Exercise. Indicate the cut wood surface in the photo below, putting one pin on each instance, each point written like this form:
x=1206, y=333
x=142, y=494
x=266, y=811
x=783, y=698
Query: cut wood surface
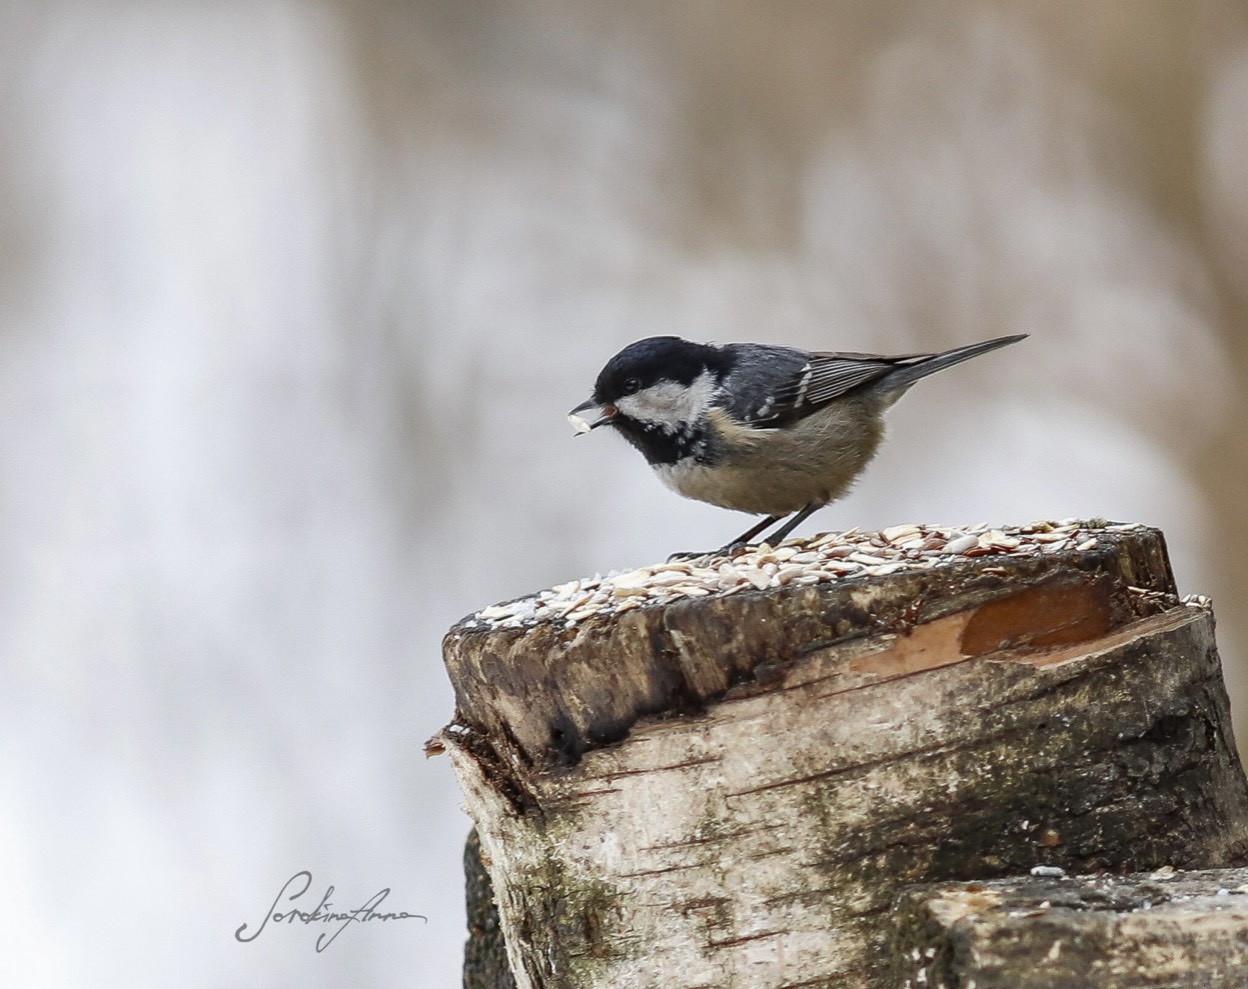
x=1164, y=930
x=729, y=789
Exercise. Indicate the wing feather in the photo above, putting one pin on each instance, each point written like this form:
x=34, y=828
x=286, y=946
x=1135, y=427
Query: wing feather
x=823, y=378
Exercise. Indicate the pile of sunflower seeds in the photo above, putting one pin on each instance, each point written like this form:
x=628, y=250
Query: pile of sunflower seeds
x=830, y=556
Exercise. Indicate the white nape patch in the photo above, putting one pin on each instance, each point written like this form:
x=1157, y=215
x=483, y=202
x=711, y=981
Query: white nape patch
x=669, y=404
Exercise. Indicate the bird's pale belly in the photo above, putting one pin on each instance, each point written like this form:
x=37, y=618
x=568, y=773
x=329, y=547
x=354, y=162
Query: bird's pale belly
x=811, y=463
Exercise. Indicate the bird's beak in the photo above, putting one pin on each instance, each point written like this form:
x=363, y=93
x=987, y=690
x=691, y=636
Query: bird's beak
x=582, y=424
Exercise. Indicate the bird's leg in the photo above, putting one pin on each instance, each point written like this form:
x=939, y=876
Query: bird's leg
x=740, y=541
x=743, y=540
x=778, y=536
x=752, y=531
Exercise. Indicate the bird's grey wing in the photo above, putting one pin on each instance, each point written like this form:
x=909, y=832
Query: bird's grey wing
x=819, y=379
x=834, y=375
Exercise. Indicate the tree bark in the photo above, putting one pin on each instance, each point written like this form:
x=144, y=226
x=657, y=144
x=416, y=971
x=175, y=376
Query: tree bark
x=731, y=789
x=485, y=954
x=1161, y=931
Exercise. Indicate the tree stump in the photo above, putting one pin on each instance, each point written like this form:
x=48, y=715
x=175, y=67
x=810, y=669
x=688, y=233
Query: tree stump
x=1153, y=931
x=485, y=954
x=723, y=775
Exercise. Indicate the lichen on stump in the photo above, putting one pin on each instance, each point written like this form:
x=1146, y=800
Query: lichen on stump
x=730, y=787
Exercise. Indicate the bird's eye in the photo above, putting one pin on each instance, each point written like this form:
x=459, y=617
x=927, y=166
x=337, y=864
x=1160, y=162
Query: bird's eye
x=632, y=386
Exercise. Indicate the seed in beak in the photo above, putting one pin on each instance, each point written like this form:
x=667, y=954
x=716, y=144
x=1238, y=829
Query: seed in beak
x=582, y=425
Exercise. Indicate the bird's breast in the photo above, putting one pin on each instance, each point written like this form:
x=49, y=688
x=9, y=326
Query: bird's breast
x=773, y=472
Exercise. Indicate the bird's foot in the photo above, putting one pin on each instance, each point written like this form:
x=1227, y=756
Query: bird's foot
x=728, y=552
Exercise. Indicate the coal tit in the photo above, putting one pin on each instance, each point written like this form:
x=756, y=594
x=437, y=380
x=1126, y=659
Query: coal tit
x=773, y=431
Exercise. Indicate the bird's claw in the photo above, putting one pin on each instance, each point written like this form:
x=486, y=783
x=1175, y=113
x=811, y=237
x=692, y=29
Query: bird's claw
x=728, y=552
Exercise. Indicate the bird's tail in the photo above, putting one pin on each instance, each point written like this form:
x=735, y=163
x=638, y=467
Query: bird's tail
x=907, y=374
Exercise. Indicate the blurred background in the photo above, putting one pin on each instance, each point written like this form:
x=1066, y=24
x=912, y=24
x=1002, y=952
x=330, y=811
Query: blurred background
x=294, y=296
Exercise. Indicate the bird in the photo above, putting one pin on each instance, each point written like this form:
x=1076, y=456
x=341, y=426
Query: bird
x=758, y=428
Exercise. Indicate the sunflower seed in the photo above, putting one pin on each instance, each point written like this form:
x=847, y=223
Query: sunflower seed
x=796, y=562
x=897, y=533
x=961, y=543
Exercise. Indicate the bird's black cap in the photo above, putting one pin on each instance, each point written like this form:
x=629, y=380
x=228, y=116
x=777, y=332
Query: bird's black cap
x=654, y=359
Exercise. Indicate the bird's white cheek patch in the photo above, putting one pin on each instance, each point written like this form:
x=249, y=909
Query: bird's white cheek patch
x=670, y=404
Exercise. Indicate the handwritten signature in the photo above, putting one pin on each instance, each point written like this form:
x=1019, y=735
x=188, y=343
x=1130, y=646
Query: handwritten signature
x=323, y=913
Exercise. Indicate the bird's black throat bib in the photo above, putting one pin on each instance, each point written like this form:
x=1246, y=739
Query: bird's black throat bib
x=662, y=445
